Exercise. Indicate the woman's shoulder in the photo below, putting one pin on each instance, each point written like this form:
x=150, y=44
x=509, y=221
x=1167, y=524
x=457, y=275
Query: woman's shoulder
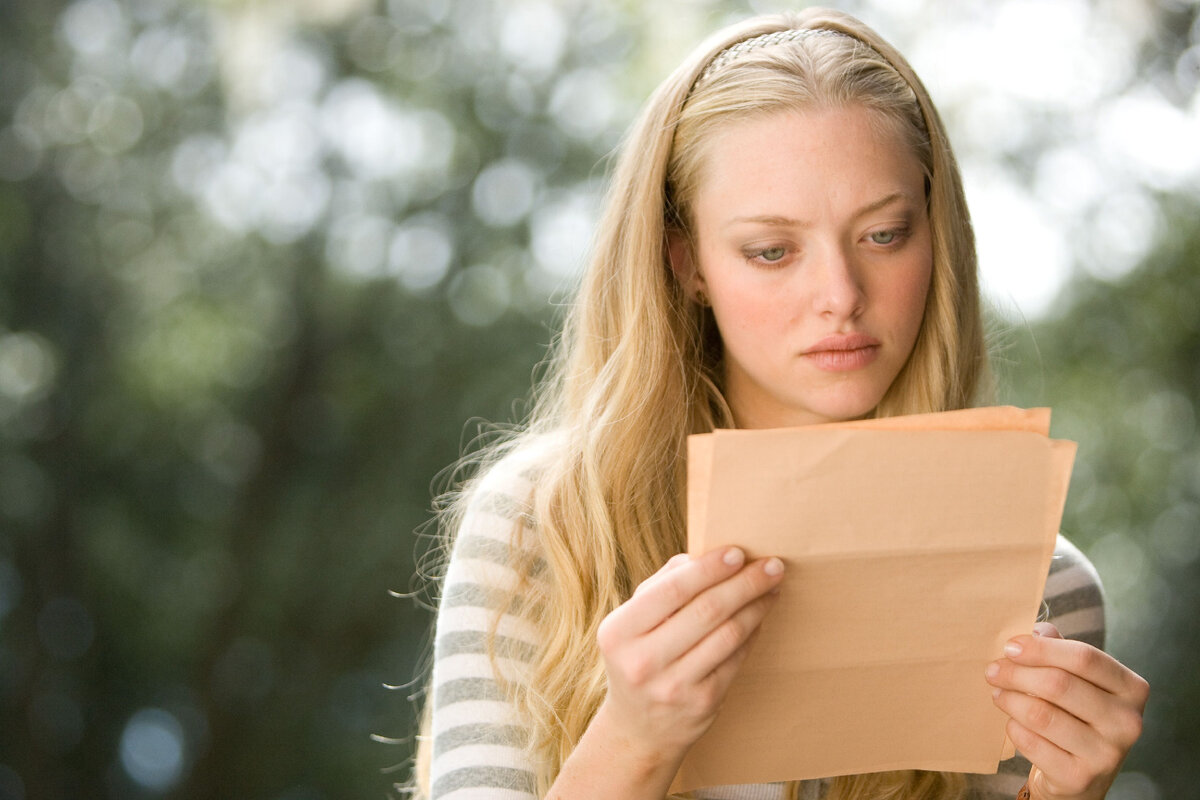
x=493, y=546
x=1068, y=556
x=497, y=506
x=506, y=483
x=1074, y=596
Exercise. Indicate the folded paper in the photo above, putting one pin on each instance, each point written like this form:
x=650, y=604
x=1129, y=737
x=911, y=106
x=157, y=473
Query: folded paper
x=915, y=548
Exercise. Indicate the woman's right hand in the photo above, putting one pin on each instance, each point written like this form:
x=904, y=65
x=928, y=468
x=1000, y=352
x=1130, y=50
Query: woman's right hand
x=672, y=650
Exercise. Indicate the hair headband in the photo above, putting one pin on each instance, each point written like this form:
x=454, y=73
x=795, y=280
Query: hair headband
x=739, y=49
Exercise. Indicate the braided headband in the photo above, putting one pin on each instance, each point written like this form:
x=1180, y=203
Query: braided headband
x=736, y=51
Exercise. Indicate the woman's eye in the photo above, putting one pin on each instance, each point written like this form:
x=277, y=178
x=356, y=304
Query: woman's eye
x=883, y=237
x=772, y=253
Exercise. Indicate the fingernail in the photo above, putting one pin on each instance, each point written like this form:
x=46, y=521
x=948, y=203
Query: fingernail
x=773, y=567
x=995, y=693
x=1012, y=649
x=677, y=559
x=993, y=670
x=734, y=556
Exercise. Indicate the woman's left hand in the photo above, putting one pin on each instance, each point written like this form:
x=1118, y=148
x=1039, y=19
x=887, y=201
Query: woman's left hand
x=1074, y=712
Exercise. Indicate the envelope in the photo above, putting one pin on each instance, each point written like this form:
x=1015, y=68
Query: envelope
x=915, y=548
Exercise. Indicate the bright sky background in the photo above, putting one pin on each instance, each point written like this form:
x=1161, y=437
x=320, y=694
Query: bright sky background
x=1000, y=70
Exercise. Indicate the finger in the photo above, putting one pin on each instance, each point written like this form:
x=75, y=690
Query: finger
x=670, y=591
x=727, y=641
x=721, y=677
x=674, y=561
x=1079, y=658
x=1074, y=695
x=1054, y=769
x=1070, y=755
x=1051, y=722
x=725, y=614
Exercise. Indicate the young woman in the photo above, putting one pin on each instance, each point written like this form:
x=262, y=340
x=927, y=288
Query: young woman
x=785, y=241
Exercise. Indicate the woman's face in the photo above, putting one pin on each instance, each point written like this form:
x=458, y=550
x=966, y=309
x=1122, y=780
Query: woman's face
x=812, y=243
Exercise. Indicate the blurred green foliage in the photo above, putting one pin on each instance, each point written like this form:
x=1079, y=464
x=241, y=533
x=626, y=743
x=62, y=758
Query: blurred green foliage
x=259, y=262
x=1120, y=365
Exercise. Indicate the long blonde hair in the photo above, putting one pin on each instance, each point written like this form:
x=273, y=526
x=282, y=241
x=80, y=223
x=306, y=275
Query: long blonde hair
x=637, y=365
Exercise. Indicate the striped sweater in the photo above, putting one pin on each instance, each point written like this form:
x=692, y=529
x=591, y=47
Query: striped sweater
x=478, y=736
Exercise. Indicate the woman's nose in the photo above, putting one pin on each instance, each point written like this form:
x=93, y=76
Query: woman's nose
x=837, y=289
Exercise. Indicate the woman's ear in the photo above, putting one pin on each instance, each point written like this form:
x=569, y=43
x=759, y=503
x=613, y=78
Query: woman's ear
x=683, y=264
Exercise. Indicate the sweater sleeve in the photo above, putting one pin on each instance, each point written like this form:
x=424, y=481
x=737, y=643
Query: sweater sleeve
x=478, y=737
x=1074, y=602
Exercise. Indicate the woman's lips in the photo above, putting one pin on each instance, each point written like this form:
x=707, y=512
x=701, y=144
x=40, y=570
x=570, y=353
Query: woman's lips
x=843, y=353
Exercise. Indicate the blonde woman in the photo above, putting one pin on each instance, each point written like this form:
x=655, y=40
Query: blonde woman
x=785, y=241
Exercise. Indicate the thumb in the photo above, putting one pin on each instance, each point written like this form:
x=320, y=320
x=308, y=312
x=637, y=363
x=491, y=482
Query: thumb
x=1046, y=629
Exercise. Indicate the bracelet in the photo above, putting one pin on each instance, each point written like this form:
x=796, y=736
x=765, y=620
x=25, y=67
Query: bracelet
x=1024, y=793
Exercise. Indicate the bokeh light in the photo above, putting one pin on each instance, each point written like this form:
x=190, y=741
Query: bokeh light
x=153, y=749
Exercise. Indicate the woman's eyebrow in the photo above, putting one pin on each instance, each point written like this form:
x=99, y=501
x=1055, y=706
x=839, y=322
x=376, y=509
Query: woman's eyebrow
x=769, y=219
x=776, y=220
x=882, y=202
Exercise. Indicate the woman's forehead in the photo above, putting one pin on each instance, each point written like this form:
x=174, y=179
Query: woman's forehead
x=797, y=158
